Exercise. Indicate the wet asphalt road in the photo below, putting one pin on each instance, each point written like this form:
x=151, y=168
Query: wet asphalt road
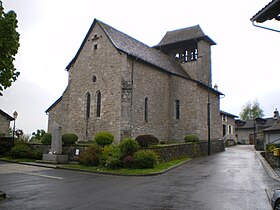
x=234, y=179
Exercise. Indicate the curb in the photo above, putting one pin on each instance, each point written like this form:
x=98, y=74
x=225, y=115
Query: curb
x=96, y=172
x=116, y=174
x=272, y=174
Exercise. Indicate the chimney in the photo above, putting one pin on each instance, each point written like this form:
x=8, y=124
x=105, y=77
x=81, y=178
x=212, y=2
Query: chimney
x=276, y=114
x=216, y=87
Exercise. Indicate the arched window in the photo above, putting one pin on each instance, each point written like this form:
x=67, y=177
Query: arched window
x=98, y=103
x=177, y=109
x=146, y=110
x=88, y=105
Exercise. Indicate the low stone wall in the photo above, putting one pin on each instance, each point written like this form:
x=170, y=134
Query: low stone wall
x=173, y=152
x=70, y=150
x=259, y=144
x=271, y=159
x=165, y=153
x=6, y=144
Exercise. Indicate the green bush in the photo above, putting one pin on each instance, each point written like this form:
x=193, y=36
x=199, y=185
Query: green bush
x=104, y=138
x=24, y=151
x=128, y=147
x=145, y=159
x=271, y=147
x=113, y=162
x=90, y=156
x=34, y=140
x=69, y=139
x=191, y=138
x=146, y=141
x=128, y=162
x=47, y=139
x=111, y=156
x=5, y=146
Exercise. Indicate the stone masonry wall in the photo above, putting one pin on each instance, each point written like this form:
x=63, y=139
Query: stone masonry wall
x=193, y=110
x=204, y=63
x=188, y=150
x=271, y=159
x=184, y=91
x=60, y=113
x=4, y=126
x=98, y=58
x=164, y=153
x=153, y=84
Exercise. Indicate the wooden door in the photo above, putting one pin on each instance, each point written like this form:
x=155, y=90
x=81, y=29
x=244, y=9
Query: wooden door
x=251, y=139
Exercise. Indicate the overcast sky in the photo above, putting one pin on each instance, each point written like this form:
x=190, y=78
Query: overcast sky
x=245, y=62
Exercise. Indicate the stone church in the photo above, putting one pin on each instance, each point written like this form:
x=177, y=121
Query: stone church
x=123, y=86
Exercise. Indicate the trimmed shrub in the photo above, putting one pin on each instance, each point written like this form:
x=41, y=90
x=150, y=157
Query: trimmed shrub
x=191, y=138
x=113, y=162
x=145, y=159
x=69, y=139
x=24, y=151
x=90, y=156
x=146, y=141
x=47, y=139
x=128, y=162
x=128, y=147
x=20, y=151
x=111, y=156
x=107, y=151
x=104, y=138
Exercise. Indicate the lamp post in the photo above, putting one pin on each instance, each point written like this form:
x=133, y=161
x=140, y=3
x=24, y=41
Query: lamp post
x=15, y=114
x=208, y=123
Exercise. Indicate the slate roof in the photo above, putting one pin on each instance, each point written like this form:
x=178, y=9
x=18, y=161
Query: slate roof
x=228, y=114
x=274, y=127
x=137, y=49
x=270, y=11
x=53, y=105
x=250, y=124
x=185, y=34
x=8, y=117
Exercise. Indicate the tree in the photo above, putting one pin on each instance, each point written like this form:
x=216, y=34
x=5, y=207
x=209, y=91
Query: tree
x=36, y=137
x=9, y=44
x=251, y=111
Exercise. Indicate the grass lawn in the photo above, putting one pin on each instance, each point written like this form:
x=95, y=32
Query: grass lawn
x=129, y=171
x=121, y=171
x=17, y=160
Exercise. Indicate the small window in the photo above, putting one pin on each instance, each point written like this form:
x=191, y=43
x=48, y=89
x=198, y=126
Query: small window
x=94, y=78
x=224, y=117
x=88, y=105
x=98, y=104
x=146, y=110
x=193, y=56
x=185, y=57
x=224, y=130
x=230, y=129
x=95, y=46
x=177, y=109
x=94, y=37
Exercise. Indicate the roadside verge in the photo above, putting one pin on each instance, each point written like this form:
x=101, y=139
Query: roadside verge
x=270, y=171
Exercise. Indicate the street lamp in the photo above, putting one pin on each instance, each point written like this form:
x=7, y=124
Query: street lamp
x=15, y=114
x=208, y=123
